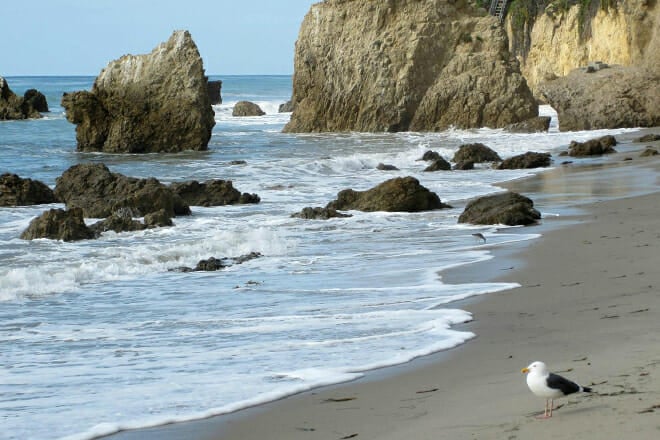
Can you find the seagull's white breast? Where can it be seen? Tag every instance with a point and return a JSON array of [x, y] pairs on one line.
[[537, 384]]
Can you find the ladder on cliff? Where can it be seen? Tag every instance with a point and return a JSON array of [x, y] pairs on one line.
[[498, 8]]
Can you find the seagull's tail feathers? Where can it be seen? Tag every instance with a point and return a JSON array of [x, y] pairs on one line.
[[585, 389]]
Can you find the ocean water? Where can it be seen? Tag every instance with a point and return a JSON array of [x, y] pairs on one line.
[[98, 336]]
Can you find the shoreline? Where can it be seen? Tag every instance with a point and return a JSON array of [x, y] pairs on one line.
[[432, 390]]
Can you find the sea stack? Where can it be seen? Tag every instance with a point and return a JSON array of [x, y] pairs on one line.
[[158, 102], [421, 65]]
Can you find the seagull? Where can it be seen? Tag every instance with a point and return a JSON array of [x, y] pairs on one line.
[[549, 385]]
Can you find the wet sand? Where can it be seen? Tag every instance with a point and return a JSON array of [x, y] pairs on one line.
[[588, 306]]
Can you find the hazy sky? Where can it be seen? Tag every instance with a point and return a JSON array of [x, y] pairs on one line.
[[80, 37]]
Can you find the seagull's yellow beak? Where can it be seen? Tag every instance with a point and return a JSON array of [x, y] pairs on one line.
[[525, 370]]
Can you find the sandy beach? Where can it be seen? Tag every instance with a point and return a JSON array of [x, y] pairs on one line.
[[588, 306]]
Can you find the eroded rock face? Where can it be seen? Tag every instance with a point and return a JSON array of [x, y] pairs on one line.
[[500, 209], [212, 193], [99, 193], [13, 106], [401, 194], [610, 98], [58, 224], [530, 159], [158, 102], [15, 191], [386, 65]]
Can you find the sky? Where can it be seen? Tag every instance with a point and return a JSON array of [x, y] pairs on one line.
[[80, 37]]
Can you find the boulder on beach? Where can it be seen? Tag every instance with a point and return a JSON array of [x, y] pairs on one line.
[[247, 108], [500, 209], [212, 193], [319, 213], [16, 191], [464, 165], [439, 164], [58, 224], [13, 106], [530, 159], [401, 194], [475, 153], [157, 102], [100, 192], [405, 65], [593, 147]]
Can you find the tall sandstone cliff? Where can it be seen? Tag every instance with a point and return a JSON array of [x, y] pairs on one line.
[[551, 41], [396, 65]]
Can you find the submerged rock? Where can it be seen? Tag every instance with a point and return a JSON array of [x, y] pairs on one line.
[[119, 221], [212, 264], [386, 167], [504, 209], [158, 102], [100, 192], [475, 153], [429, 156], [592, 147], [464, 165], [247, 108], [527, 160], [419, 65], [212, 193], [651, 137], [401, 194], [15, 191], [58, 224], [439, 164], [319, 213], [649, 152]]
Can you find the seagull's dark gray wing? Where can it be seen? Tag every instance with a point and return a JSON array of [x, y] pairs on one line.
[[557, 382]]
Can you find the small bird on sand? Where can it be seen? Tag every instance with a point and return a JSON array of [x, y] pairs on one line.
[[549, 385], [479, 236]]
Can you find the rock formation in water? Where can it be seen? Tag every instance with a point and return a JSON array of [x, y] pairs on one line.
[[593, 147], [386, 65], [212, 193], [475, 153], [530, 159], [247, 108], [58, 224], [100, 193], [158, 102], [16, 191], [401, 194], [13, 106]]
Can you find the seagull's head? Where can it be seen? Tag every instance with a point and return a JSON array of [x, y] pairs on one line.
[[537, 368]]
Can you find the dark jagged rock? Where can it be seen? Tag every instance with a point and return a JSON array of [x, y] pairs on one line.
[[319, 213], [15, 191], [439, 164], [592, 147], [287, 107], [429, 156], [13, 106], [534, 125], [158, 219], [526, 160], [36, 99], [247, 108], [506, 209], [100, 192], [652, 137], [464, 165], [476, 153], [386, 167], [212, 193], [215, 96], [158, 102], [120, 221], [212, 264], [401, 194], [58, 224], [649, 152]]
